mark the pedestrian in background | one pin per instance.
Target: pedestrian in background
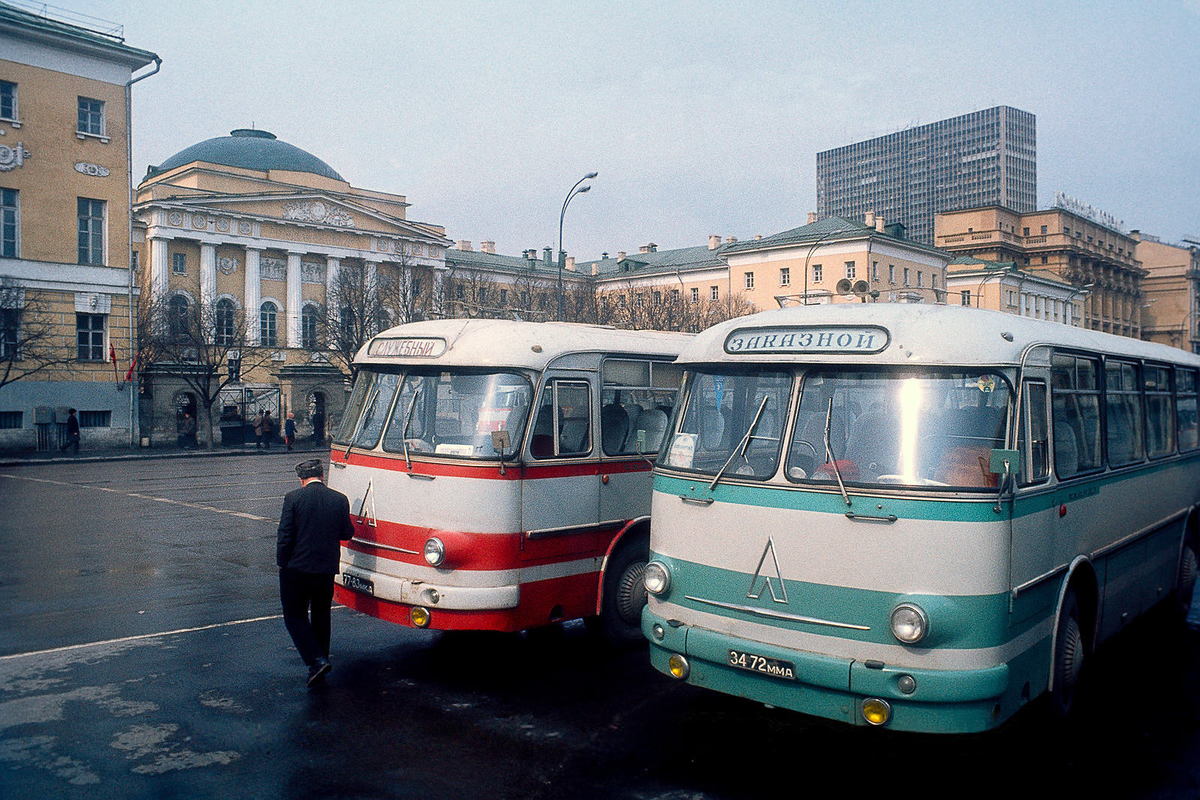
(315, 520)
(72, 432)
(289, 430)
(268, 429)
(258, 422)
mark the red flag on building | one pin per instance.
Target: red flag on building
(112, 356)
(132, 364)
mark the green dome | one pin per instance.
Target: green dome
(250, 149)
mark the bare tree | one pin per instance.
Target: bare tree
(356, 308)
(207, 346)
(29, 345)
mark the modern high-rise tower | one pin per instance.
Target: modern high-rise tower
(984, 158)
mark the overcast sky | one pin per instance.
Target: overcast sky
(701, 117)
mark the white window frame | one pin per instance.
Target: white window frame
(15, 119)
(87, 133)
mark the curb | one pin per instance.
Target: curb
(132, 455)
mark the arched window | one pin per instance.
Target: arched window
(225, 321)
(177, 317)
(308, 327)
(267, 328)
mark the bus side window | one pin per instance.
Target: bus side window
(1035, 434)
(563, 423)
(1186, 409)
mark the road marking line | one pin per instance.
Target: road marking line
(144, 636)
(140, 496)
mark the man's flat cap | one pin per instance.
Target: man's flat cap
(309, 469)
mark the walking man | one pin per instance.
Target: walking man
(315, 519)
(72, 432)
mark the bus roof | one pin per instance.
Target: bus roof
(901, 333)
(504, 343)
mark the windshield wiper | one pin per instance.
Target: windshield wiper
(408, 417)
(740, 450)
(829, 454)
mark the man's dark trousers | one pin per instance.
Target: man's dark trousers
(300, 593)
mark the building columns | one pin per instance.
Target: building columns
(253, 295)
(158, 266)
(294, 299)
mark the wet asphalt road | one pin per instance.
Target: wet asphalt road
(142, 655)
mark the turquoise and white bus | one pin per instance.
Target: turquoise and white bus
(918, 517)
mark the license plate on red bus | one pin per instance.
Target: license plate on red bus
(773, 667)
(358, 584)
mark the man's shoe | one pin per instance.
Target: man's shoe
(317, 672)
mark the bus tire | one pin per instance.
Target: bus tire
(1185, 585)
(624, 594)
(1069, 650)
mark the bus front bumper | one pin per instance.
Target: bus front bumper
(925, 700)
(409, 592)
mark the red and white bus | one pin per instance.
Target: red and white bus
(499, 473)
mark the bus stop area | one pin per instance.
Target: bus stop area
(142, 654)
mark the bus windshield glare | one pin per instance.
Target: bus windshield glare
(438, 412)
(905, 428)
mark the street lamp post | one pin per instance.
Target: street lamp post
(576, 189)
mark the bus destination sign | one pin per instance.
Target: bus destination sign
(408, 347)
(802, 339)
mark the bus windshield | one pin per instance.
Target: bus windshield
(905, 428)
(439, 412)
(732, 424)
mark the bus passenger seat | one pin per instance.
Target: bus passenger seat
(614, 428)
(872, 444)
(1066, 449)
(654, 423)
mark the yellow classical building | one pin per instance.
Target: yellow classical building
(65, 285)
(1090, 255)
(250, 228)
(1172, 291)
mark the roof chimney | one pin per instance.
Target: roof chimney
(595, 268)
(620, 254)
(730, 239)
(870, 219)
(464, 245)
(714, 241)
(571, 263)
(812, 217)
(548, 256)
(880, 224)
(648, 248)
(487, 247)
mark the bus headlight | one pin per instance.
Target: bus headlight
(657, 578)
(909, 623)
(435, 552)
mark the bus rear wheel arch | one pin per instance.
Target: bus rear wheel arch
(623, 592)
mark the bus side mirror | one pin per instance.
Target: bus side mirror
(1005, 462)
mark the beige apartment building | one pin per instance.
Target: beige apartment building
(1058, 243)
(1004, 286)
(64, 229)
(1171, 291)
(249, 227)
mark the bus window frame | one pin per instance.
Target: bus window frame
(1171, 414)
(1110, 365)
(1098, 360)
(651, 386)
(551, 383)
(1025, 434)
(1194, 394)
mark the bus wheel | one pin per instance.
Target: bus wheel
(1068, 657)
(624, 595)
(1186, 584)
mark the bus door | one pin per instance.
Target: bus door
(1033, 515)
(560, 497)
